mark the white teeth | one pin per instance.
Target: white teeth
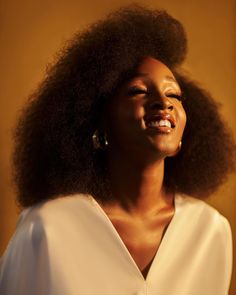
(161, 123)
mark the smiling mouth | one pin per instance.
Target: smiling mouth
(162, 123)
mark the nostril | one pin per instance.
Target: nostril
(161, 105)
(156, 105)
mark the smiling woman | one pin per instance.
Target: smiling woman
(111, 161)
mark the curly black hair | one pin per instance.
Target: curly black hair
(54, 153)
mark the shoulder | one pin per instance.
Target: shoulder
(56, 208)
(38, 224)
(206, 222)
(201, 210)
(38, 220)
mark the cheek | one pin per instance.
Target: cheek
(131, 113)
(139, 112)
(124, 118)
(134, 109)
(182, 118)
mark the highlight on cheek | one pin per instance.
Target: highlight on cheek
(140, 112)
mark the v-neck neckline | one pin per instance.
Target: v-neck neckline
(162, 244)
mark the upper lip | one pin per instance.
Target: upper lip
(160, 116)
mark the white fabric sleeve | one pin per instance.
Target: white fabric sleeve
(228, 252)
(24, 267)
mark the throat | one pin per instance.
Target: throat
(137, 188)
(142, 237)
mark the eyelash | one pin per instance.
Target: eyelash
(174, 95)
(135, 91)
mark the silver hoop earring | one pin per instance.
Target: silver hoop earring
(178, 149)
(180, 145)
(99, 140)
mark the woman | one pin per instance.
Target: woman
(113, 153)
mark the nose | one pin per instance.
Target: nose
(161, 103)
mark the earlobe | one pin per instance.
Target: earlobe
(180, 145)
(178, 149)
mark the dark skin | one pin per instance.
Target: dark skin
(145, 125)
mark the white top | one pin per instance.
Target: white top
(68, 246)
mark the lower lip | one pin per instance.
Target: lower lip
(160, 129)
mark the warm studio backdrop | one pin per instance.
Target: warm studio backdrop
(31, 31)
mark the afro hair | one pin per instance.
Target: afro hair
(54, 152)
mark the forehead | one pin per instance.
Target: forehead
(154, 68)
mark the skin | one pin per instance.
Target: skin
(136, 153)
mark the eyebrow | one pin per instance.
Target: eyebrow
(169, 78)
(146, 76)
(147, 79)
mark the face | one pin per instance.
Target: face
(146, 115)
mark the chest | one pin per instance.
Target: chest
(142, 238)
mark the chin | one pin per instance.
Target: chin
(164, 151)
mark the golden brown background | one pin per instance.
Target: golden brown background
(32, 31)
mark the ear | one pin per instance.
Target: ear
(178, 150)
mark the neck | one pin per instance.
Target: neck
(137, 185)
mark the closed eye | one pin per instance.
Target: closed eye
(175, 95)
(137, 90)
